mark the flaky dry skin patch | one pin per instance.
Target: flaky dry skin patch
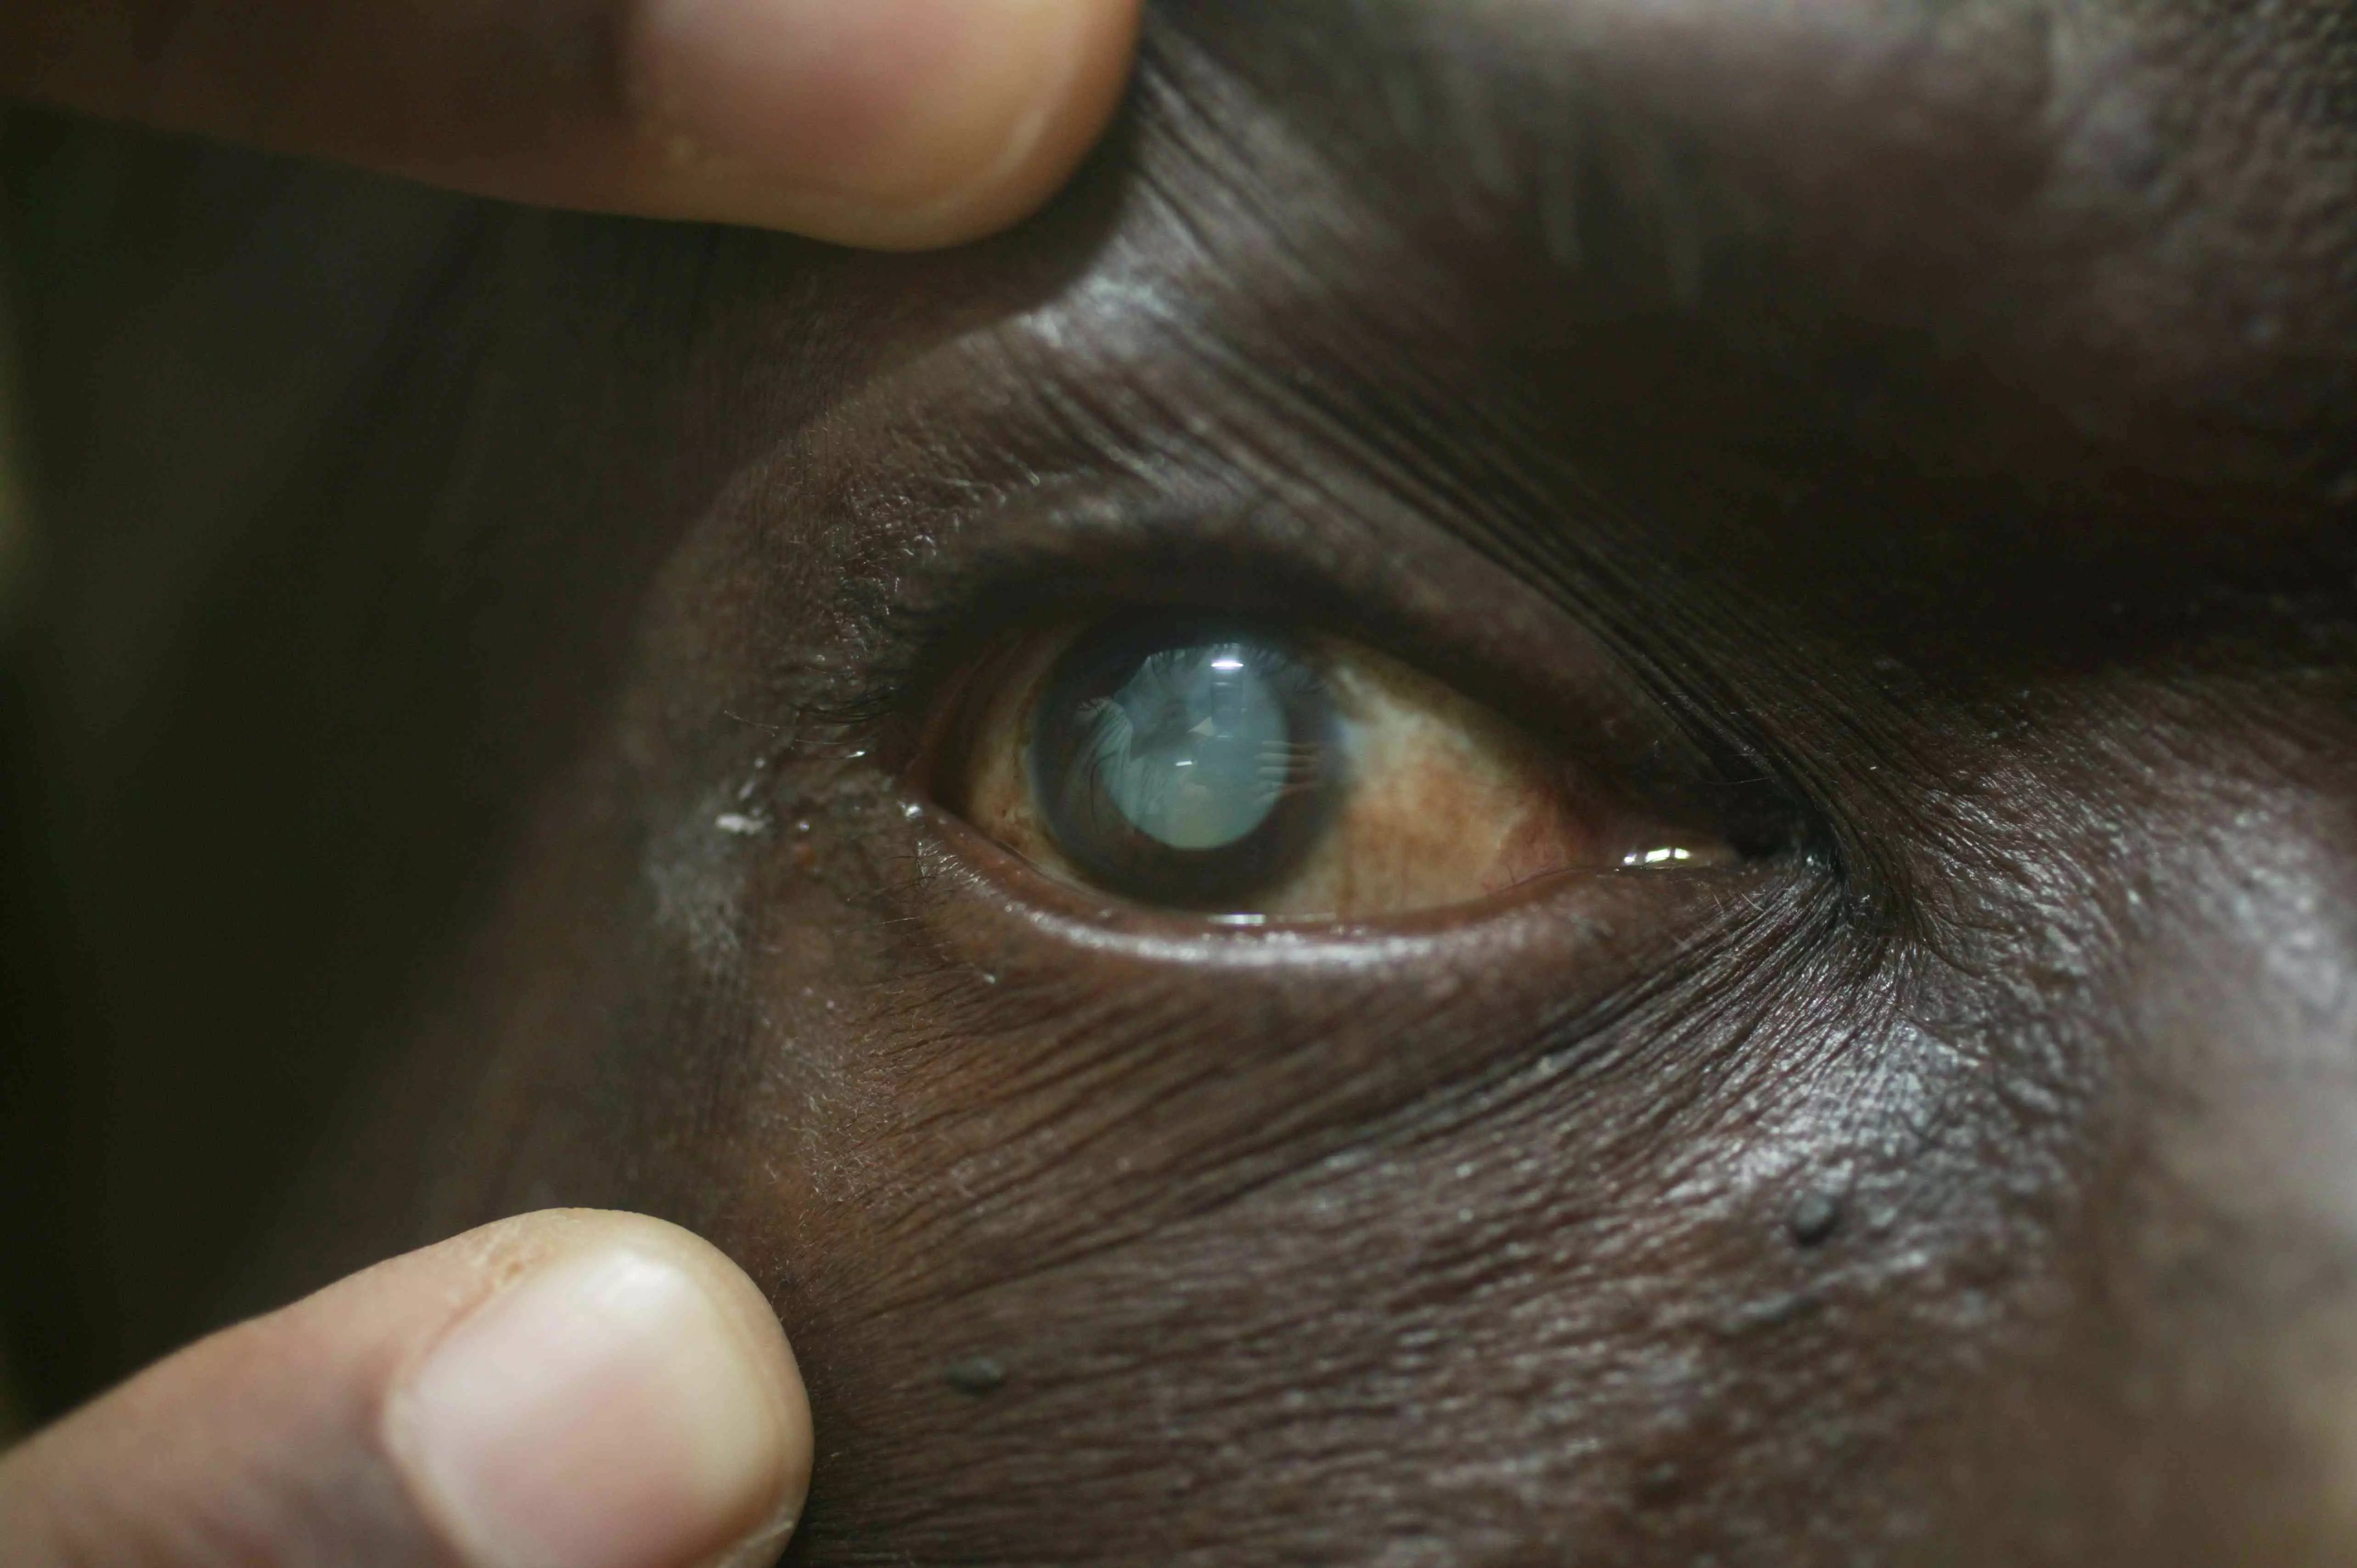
(1441, 801)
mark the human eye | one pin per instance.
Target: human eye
(1243, 767)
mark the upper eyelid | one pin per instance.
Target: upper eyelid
(1034, 485)
(1036, 503)
(1107, 548)
(1060, 559)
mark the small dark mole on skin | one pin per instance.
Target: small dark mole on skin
(1813, 1219)
(976, 1375)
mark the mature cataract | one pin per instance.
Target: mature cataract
(1235, 769)
(1576, 784)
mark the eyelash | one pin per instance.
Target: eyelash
(922, 641)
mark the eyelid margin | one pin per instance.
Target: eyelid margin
(1078, 913)
(1086, 550)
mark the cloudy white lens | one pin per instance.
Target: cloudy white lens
(1194, 749)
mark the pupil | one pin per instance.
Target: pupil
(1194, 749)
(1185, 762)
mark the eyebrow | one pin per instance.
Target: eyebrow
(1782, 397)
(2144, 220)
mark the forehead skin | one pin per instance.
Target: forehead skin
(2140, 210)
(1946, 408)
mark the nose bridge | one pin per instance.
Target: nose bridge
(2230, 1255)
(2242, 998)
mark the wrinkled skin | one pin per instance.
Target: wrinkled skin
(1948, 413)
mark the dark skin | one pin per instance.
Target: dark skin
(1935, 426)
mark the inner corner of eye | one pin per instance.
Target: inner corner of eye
(1212, 765)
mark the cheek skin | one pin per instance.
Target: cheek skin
(1442, 801)
(1216, 1224)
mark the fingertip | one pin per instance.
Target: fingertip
(891, 124)
(628, 1398)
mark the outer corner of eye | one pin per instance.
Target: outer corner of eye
(1217, 766)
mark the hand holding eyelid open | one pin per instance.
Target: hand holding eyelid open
(577, 1389)
(894, 124)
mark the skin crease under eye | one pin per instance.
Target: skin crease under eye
(1444, 801)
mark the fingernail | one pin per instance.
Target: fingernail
(900, 104)
(606, 1414)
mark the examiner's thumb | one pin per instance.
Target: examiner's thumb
(568, 1390)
